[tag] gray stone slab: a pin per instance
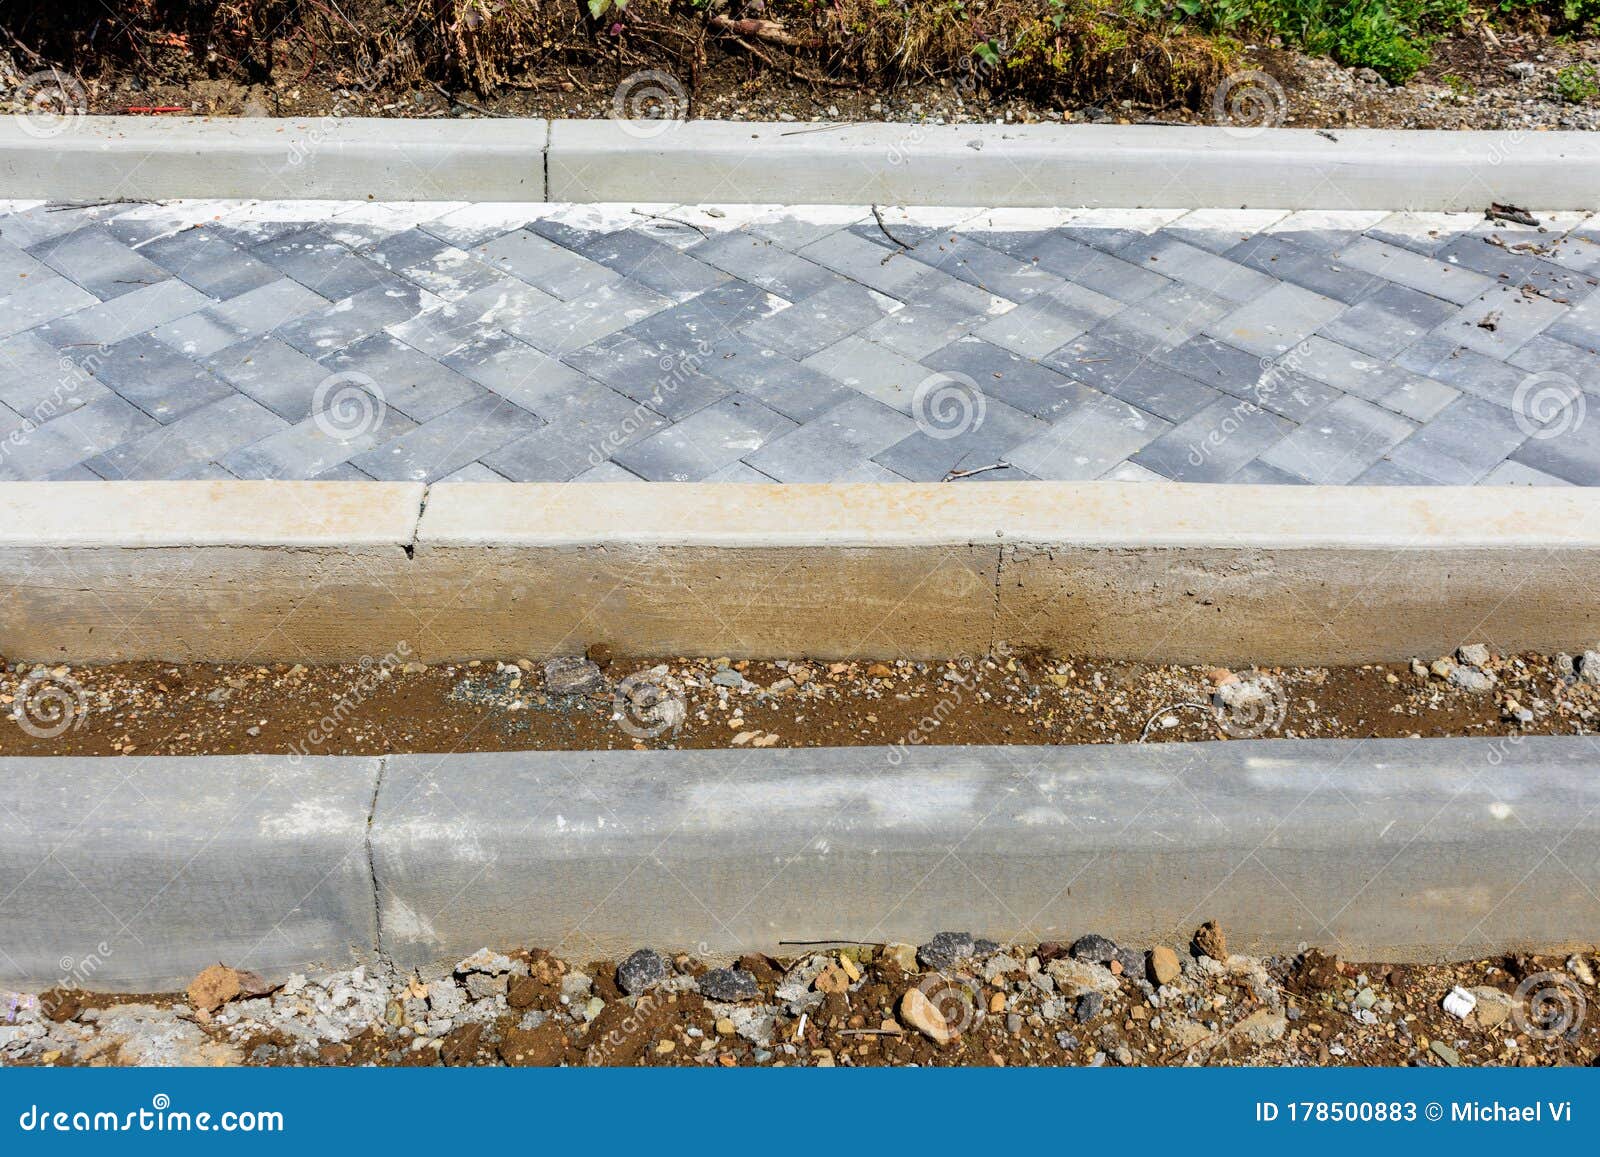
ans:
(72, 437)
(542, 263)
(1047, 322)
(1388, 319)
(765, 264)
(1215, 443)
(794, 390)
(871, 369)
(831, 444)
(160, 381)
(1277, 256)
(1019, 382)
(566, 326)
(1273, 837)
(820, 319)
(653, 264)
(1167, 318)
(250, 314)
(97, 261)
(1415, 271)
(444, 270)
(40, 300)
(1500, 321)
(933, 316)
(448, 442)
(206, 259)
(322, 265)
(39, 381)
(280, 377)
(413, 383)
(582, 432)
(124, 316)
(673, 382)
(968, 259)
(1196, 267)
(986, 438)
(1275, 321)
(313, 446)
(705, 442)
(1088, 441)
(1341, 442)
(354, 318)
(449, 324)
(1462, 443)
(153, 868)
(190, 444)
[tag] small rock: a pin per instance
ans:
(1581, 969)
(902, 956)
(1493, 1008)
(946, 950)
(218, 984)
(1073, 977)
(483, 960)
(1209, 940)
(1095, 949)
(729, 985)
(1472, 679)
(1473, 654)
(1089, 1006)
(923, 1015)
(1522, 69)
(572, 675)
(641, 972)
(1262, 1026)
(1445, 1053)
(1589, 667)
(1164, 966)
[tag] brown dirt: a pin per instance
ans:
(1242, 1011)
(850, 61)
(159, 709)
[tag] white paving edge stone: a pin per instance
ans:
(1148, 167)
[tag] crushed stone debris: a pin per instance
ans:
(851, 1005)
(572, 702)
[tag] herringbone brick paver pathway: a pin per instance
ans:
(453, 342)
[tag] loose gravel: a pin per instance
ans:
(600, 701)
(957, 1000)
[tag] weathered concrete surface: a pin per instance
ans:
(359, 158)
(1268, 574)
(1382, 849)
(91, 158)
(101, 572)
(133, 874)
(1148, 166)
